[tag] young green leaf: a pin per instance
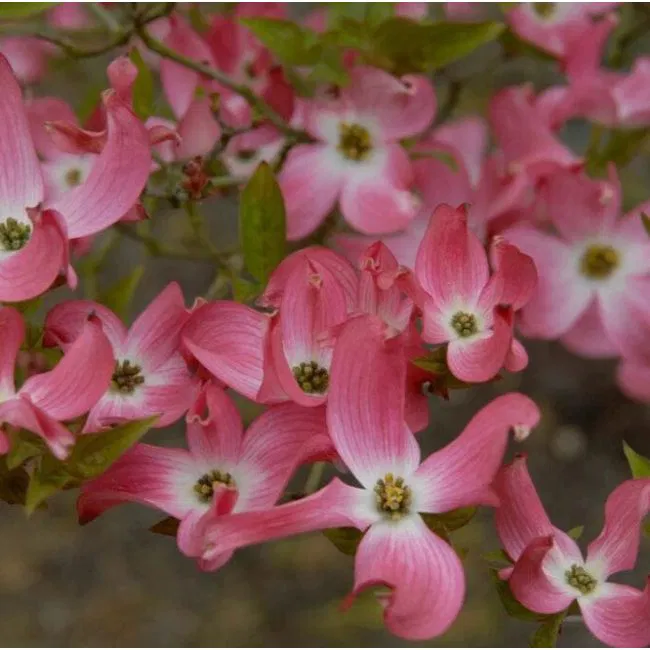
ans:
(639, 465)
(143, 86)
(291, 43)
(547, 633)
(347, 540)
(168, 526)
(18, 10)
(450, 521)
(94, 453)
(262, 224)
(24, 445)
(576, 532)
(118, 297)
(49, 477)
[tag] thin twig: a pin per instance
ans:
(156, 249)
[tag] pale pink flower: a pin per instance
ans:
(467, 307)
(365, 417)
(225, 470)
(357, 160)
(69, 390)
(593, 272)
(150, 376)
(28, 57)
(550, 572)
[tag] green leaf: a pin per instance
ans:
(13, 484)
(168, 526)
(143, 86)
(646, 529)
(94, 453)
(513, 45)
(18, 10)
(291, 43)
(118, 297)
(262, 223)
(378, 12)
(497, 559)
(48, 478)
(24, 445)
(622, 147)
(639, 465)
(512, 606)
(449, 521)
(434, 362)
(402, 45)
(347, 540)
(576, 532)
(546, 634)
(245, 291)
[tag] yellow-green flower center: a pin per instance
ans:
(14, 235)
(354, 142)
(204, 487)
(544, 9)
(579, 579)
(464, 324)
(311, 377)
(73, 177)
(127, 377)
(393, 497)
(599, 261)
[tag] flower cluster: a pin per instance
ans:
(390, 254)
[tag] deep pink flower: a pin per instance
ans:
(358, 160)
(225, 470)
(593, 273)
(67, 391)
(150, 376)
(550, 572)
(365, 416)
(555, 27)
(465, 306)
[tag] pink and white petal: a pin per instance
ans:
(374, 205)
(276, 443)
(520, 517)
(631, 95)
(214, 427)
(12, 330)
(451, 263)
(618, 615)
(617, 546)
(46, 109)
(517, 358)
(21, 413)
(118, 176)
(28, 57)
(365, 411)
(403, 106)
(198, 129)
(480, 359)
(122, 73)
(438, 183)
(230, 341)
(159, 477)
(633, 378)
(422, 571)
(21, 183)
(536, 579)
(561, 297)
(337, 504)
(114, 409)
(460, 474)
(311, 181)
(625, 318)
(80, 378)
(155, 335)
(65, 322)
(588, 338)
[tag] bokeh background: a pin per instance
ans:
(113, 583)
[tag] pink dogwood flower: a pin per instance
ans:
(357, 159)
(225, 470)
(465, 306)
(554, 26)
(593, 271)
(150, 376)
(33, 234)
(550, 572)
(67, 391)
(365, 415)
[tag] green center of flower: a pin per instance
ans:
(246, 154)
(204, 487)
(311, 377)
(14, 235)
(544, 9)
(73, 177)
(354, 142)
(393, 497)
(579, 579)
(464, 324)
(599, 261)
(127, 377)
